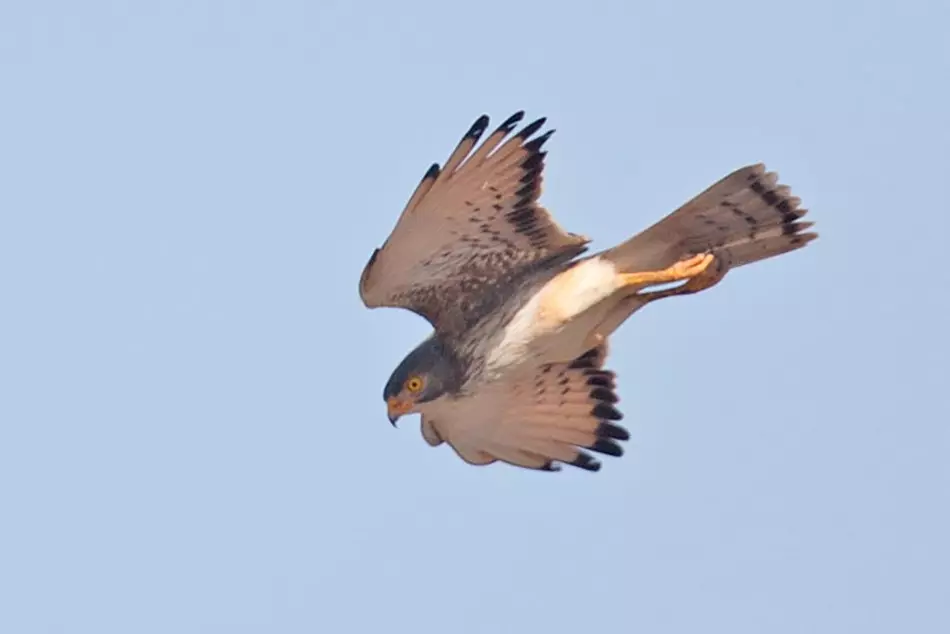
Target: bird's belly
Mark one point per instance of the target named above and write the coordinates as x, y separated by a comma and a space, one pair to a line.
556, 322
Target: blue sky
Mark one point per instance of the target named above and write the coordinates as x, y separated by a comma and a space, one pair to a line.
191, 432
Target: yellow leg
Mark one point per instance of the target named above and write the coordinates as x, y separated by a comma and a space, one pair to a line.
707, 278
682, 270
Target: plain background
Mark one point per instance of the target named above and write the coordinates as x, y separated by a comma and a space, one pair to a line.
192, 437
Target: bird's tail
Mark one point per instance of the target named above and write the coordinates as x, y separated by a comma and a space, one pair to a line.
743, 218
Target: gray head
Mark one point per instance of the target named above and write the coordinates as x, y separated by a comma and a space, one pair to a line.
426, 373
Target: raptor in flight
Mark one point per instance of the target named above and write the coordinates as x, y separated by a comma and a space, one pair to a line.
514, 369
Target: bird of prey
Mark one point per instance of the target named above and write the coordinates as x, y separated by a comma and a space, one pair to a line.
514, 369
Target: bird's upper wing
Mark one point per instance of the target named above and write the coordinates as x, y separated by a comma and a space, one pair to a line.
468, 226
537, 420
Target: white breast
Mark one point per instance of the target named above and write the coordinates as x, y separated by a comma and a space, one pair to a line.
557, 303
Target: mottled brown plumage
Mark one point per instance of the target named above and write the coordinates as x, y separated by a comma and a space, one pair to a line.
470, 227
514, 368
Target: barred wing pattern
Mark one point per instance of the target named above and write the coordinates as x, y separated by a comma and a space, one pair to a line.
470, 227
546, 417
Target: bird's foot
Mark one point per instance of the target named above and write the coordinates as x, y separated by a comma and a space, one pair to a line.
687, 269
707, 278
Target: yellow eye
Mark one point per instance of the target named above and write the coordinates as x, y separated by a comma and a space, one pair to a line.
414, 384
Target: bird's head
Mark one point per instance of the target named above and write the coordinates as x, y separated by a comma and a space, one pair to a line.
426, 373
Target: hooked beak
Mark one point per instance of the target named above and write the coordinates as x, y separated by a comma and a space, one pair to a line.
395, 408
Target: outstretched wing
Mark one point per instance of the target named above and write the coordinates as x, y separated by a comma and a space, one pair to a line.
467, 227
543, 418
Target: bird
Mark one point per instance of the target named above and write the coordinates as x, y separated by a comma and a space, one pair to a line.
514, 370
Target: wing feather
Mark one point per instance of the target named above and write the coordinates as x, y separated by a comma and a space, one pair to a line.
467, 226
544, 418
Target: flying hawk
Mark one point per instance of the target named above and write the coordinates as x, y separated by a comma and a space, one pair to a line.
514, 370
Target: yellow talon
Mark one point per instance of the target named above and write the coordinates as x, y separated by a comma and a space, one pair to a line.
707, 278
682, 270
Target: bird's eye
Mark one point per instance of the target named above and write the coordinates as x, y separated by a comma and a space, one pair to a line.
414, 384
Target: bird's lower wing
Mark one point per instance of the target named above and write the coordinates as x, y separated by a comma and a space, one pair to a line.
536, 420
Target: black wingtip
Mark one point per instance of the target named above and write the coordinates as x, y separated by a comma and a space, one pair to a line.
535, 144
532, 127
509, 124
599, 378
478, 128
605, 411
609, 430
586, 462
608, 447
432, 172
792, 228
604, 395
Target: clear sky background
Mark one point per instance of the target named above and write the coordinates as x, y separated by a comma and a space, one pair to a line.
192, 437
